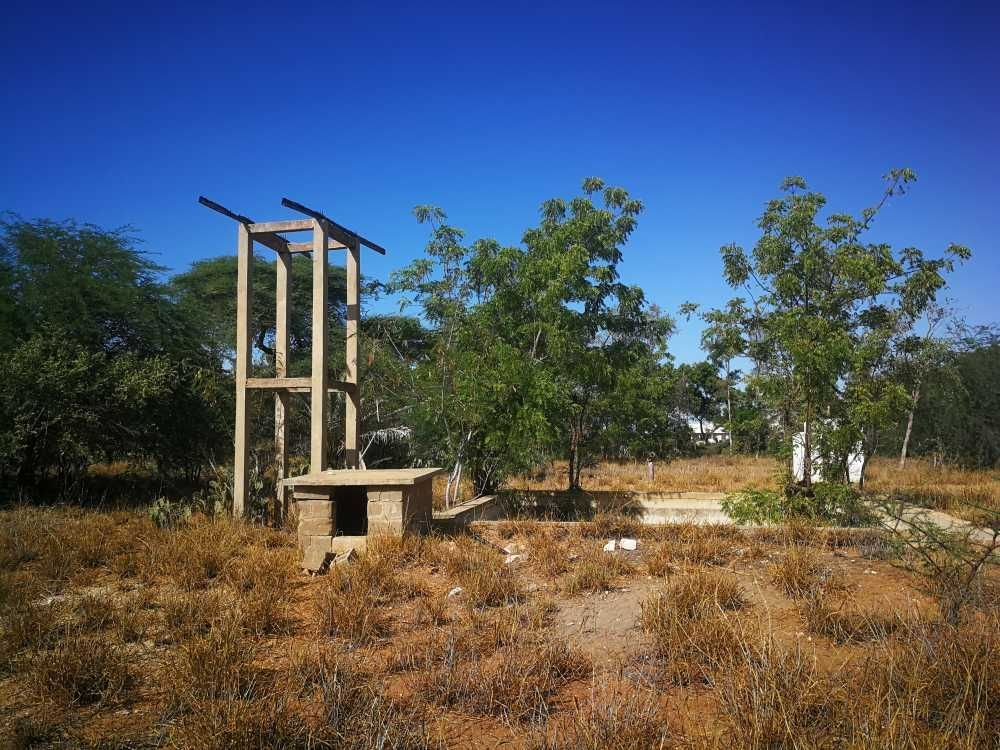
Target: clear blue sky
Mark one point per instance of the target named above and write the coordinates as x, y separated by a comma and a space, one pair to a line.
124, 114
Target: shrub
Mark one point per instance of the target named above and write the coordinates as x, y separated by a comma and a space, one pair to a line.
754, 506
801, 572
843, 622
81, 670
689, 625
829, 503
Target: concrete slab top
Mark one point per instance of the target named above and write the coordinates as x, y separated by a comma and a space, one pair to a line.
363, 477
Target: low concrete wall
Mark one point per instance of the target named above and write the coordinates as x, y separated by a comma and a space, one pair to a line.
652, 508
485, 508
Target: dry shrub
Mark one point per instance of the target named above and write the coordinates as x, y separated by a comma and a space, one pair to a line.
664, 556
214, 666
81, 670
846, 622
123, 616
491, 585
550, 550
480, 571
801, 571
613, 720
195, 555
263, 580
516, 682
187, 614
722, 473
432, 610
492, 629
689, 625
62, 544
610, 526
349, 606
24, 536
595, 570
310, 667
769, 697
227, 724
518, 527
400, 550
935, 685
24, 625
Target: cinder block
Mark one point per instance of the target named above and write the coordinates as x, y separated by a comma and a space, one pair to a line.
315, 508
316, 527
314, 493
315, 552
384, 494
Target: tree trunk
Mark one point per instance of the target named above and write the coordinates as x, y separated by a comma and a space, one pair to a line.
572, 459
729, 408
807, 449
909, 428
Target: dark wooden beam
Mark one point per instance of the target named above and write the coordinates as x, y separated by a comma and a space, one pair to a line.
268, 239
340, 233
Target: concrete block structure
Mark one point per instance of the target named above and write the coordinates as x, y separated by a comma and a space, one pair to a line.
334, 505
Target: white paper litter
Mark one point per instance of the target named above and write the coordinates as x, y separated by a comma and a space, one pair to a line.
629, 544
610, 546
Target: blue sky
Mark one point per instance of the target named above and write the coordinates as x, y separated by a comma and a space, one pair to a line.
124, 115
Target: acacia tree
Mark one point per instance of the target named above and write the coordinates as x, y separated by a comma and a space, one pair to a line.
723, 340
917, 356
827, 307
531, 340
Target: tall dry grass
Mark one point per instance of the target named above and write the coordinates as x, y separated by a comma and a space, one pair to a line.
704, 474
960, 492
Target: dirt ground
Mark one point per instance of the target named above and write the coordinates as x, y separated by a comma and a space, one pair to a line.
513, 634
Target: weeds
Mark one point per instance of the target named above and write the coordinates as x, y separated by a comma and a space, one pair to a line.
689, 623
844, 622
613, 720
81, 670
801, 572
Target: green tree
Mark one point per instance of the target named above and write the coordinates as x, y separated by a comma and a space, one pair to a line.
207, 293
827, 306
99, 362
700, 387
530, 341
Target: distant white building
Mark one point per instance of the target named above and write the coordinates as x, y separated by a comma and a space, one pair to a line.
855, 461
707, 432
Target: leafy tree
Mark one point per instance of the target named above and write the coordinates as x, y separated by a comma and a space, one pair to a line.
207, 293
958, 414
530, 342
98, 361
90, 283
700, 387
826, 308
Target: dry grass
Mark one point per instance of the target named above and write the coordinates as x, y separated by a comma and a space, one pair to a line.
151, 641
596, 570
801, 571
516, 682
844, 621
613, 719
687, 544
943, 487
480, 571
81, 670
704, 474
691, 625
